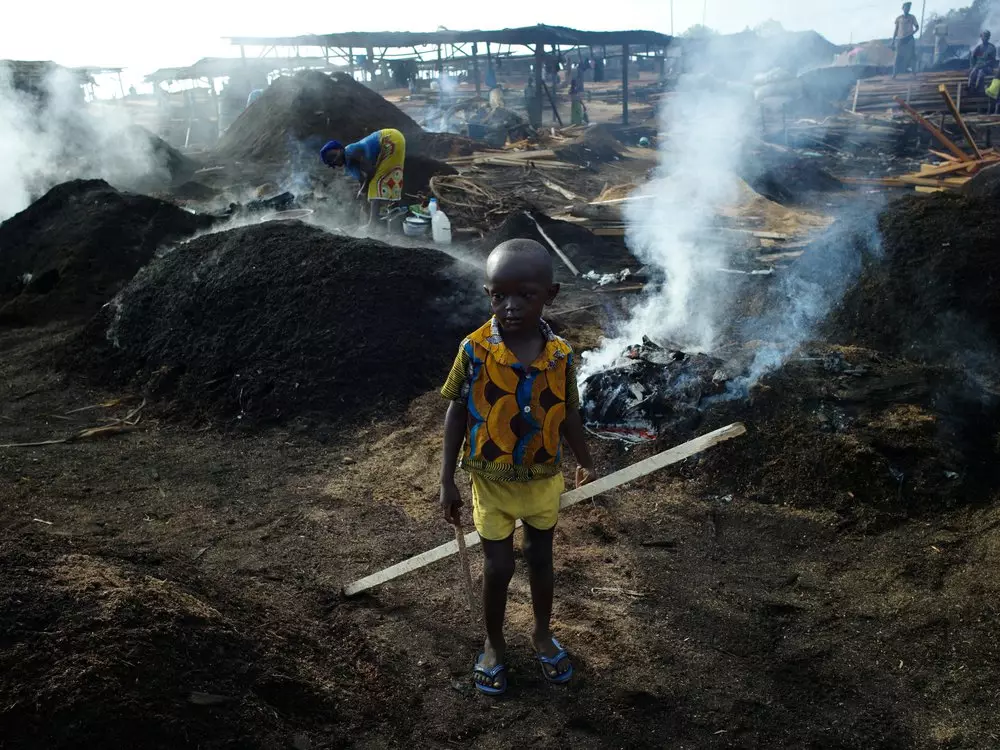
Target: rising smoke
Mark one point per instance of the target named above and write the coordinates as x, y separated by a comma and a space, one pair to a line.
48, 136
668, 220
706, 128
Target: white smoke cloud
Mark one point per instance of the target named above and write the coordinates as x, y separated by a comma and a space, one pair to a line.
51, 136
707, 123
695, 178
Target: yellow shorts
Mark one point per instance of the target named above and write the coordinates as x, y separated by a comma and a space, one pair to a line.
496, 505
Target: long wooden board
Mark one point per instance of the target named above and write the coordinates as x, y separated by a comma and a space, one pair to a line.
616, 479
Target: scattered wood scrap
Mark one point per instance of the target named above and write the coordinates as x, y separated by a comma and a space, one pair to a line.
128, 423
959, 166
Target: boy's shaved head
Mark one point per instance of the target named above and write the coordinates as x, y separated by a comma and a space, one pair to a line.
520, 258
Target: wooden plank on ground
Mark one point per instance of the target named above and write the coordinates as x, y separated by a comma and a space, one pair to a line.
615, 479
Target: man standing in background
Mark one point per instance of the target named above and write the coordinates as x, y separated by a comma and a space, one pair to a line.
981, 63
904, 43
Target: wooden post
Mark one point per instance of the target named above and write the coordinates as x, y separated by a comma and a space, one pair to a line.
625, 84
958, 98
475, 66
857, 89
539, 81
370, 64
350, 61
552, 101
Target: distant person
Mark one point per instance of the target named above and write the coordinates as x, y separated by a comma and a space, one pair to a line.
904, 42
254, 96
375, 161
981, 63
514, 400
132, 91
578, 110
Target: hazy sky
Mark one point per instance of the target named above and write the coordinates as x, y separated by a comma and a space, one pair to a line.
144, 36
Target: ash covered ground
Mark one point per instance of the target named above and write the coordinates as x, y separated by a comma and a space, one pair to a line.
272, 432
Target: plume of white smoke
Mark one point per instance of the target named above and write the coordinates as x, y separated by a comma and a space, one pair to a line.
707, 124
50, 136
667, 219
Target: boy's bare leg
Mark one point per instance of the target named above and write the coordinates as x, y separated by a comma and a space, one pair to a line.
498, 569
538, 556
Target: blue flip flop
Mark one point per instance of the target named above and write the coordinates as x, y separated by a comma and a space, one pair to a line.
491, 673
553, 661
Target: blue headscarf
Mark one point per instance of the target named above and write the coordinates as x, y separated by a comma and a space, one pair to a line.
330, 146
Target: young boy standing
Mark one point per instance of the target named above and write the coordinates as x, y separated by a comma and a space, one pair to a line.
513, 400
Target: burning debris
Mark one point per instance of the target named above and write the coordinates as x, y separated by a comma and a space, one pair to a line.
650, 389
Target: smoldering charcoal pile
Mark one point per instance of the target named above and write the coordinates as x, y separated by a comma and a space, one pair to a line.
283, 320
74, 248
933, 287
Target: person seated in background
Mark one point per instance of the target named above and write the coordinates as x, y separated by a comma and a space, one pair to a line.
254, 96
376, 161
982, 62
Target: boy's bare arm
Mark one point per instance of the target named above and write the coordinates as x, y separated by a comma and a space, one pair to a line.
576, 438
454, 434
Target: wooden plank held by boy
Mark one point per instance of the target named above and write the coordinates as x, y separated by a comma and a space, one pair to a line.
572, 497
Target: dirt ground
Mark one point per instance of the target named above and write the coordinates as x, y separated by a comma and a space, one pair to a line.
177, 586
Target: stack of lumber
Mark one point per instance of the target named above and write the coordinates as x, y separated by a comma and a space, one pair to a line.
848, 133
537, 159
957, 166
921, 93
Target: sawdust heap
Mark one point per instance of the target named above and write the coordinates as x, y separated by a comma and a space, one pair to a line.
74, 248
282, 320
773, 216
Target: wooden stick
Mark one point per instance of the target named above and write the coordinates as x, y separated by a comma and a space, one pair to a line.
463, 555
616, 479
955, 166
558, 250
929, 126
958, 119
943, 155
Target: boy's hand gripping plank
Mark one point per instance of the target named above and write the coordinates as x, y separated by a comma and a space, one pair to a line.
616, 479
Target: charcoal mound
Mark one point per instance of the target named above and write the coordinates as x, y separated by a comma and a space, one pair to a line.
73, 249
587, 251
98, 653
441, 146
282, 320
309, 106
869, 436
986, 184
598, 144
786, 178
934, 286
